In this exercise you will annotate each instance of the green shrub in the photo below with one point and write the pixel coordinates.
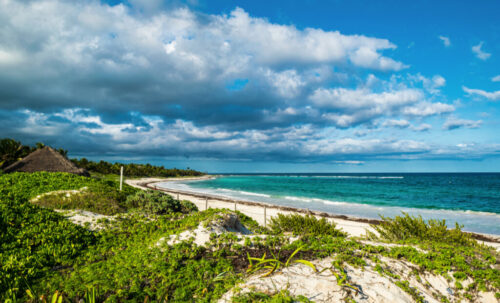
(415, 229)
(158, 203)
(188, 207)
(304, 225)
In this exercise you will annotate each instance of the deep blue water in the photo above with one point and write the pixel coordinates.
(472, 199)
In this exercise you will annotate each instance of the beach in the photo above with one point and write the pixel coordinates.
(263, 212)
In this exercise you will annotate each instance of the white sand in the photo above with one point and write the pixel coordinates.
(84, 218)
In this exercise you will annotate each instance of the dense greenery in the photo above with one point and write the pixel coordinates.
(134, 170)
(129, 259)
(154, 202)
(35, 241)
(304, 225)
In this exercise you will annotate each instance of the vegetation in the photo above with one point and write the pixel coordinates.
(99, 197)
(409, 229)
(304, 225)
(274, 264)
(282, 296)
(154, 202)
(134, 170)
(43, 255)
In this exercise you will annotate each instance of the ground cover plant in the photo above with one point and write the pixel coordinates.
(44, 253)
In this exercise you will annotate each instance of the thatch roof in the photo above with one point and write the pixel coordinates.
(45, 159)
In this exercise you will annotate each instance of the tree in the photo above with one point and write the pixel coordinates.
(12, 151)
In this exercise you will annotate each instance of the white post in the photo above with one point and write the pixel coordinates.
(234, 205)
(121, 177)
(206, 203)
(265, 216)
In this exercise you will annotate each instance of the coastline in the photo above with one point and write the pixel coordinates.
(262, 212)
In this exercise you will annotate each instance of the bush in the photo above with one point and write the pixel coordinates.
(415, 229)
(304, 225)
(188, 207)
(158, 203)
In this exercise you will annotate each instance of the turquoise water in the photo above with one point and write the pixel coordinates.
(470, 199)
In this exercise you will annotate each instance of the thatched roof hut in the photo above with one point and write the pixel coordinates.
(45, 159)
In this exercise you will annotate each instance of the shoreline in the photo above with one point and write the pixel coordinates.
(262, 212)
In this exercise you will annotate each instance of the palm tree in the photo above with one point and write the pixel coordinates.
(12, 151)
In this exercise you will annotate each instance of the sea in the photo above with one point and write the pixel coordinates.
(471, 199)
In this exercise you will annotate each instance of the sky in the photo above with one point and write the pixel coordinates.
(256, 86)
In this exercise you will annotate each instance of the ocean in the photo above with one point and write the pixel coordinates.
(471, 199)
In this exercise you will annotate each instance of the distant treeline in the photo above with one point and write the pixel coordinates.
(12, 151)
(134, 170)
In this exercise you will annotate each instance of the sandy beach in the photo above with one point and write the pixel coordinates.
(262, 212)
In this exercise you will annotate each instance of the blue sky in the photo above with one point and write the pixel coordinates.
(253, 86)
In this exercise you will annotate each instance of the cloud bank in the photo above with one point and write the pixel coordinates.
(120, 79)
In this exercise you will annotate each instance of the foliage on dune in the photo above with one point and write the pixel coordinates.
(42, 252)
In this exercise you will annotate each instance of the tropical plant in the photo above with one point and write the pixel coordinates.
(409, 228)
(304, 225)
(274, 263)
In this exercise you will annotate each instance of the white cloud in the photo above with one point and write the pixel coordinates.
(287, 83)
(425, 108)
(493, 96)
(454, 123)
(10, 57)
(480, 54)
(446, 40)
(396, 123)
(422, 127)
(496, 79)
(348, 107)
(432, 85)
(370, 58)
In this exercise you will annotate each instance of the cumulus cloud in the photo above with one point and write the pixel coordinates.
(432, 85)
(396, 123)
(348, 107)
(493, 96)
(171, 62)
(166, 80)
(446, 41)
(454, 123)
(422, 127)
(496, 79)
(480, 54)
(425, 108)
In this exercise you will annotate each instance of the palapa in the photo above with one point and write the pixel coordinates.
(45, 159)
